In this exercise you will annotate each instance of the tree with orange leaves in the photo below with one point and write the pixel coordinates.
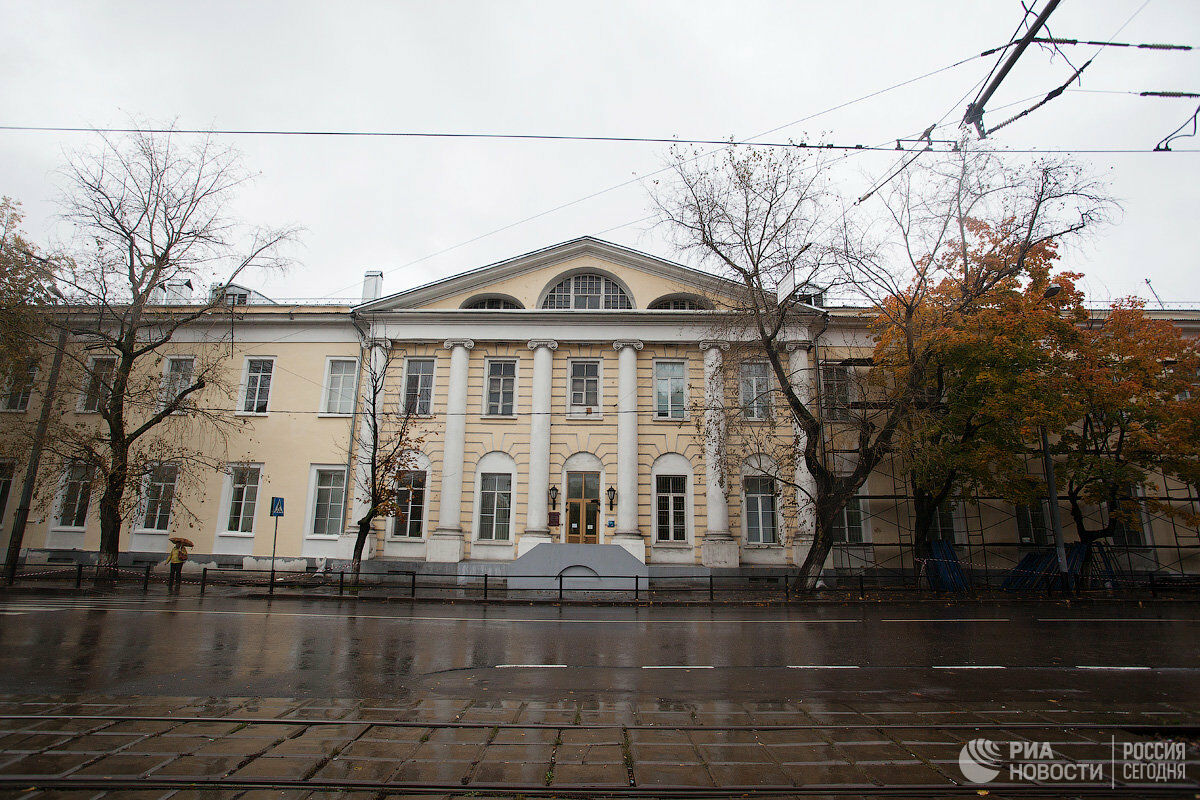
(1127, 388)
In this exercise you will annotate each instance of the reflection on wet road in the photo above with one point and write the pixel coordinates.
(291, 648)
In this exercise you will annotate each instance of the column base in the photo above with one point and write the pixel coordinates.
(719, 550)
(531, 539)
(445, 545)
(631, 541)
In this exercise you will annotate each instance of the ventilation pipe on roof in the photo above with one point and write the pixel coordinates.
(372, 285)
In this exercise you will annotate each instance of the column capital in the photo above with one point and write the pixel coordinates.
(450, 344)
(621, 344)
(708, 344)
(800, 344)
(534, 344)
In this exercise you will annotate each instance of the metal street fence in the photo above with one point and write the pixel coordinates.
(854, 577)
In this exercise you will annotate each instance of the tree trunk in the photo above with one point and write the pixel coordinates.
(923, 512)
(110, 520)
(360, 542)
(810, 570)
(110, 534)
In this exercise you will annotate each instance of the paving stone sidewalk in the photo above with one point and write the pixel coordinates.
(649, 745)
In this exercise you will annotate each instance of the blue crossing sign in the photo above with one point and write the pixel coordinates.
(276, 506)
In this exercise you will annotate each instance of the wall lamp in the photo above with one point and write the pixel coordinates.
(554, 497)
(612, 497)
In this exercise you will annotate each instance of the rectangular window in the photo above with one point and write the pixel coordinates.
(339, 391)
(669, 390)
(77, 492)
(6, 479)
(755, 390)
(258, 385)
(418, 386)
(1032, 526)
(1129, 532)
(670, 492)
(178, 377)
(160, 492)
(99, 384)
(243, 496)
(585, 387)
(20, 387)
(327, 506)
(848, 524)
(945, 523)
(835, 388)
(495, 505)
(761, 520)
(501, 386)
(410, 504)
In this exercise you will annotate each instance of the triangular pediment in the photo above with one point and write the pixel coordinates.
(525, 278)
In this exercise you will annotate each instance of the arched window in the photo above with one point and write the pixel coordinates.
(492, 303)
(587, 291)
(680, 302)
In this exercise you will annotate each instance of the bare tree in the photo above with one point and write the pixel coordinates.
(387, 441)
(149, 216)
(770, 221)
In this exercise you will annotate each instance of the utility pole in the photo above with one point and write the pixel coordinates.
(35, 456)
(974, 115)
(1052, 501)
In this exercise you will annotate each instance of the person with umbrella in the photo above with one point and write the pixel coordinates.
(179, 554)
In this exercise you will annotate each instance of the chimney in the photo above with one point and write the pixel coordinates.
(372, 285)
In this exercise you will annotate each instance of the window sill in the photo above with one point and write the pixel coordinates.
(405, 539)
(67, 529)
(14, 410)
(577, 416)
(250, 413)
(150, 532)
(498, 416)
(672, 545)
(657, 418)
(333, 415)
(414, 415)
(322, 537)
(492, 542)
(762, 545)
(236, 534)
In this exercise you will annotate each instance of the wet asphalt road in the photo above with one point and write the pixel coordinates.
(228, 647)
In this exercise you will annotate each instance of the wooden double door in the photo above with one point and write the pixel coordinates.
(583, 507)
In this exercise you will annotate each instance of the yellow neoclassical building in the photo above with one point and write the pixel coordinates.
(582, 394)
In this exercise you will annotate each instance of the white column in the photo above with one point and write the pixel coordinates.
(802, 379)
(446, 542)
(537, 530)
(627, 534)
(719, 548)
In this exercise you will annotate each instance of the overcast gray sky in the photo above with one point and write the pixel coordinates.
(688, 69)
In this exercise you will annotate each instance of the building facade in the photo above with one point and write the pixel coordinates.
(584, 393)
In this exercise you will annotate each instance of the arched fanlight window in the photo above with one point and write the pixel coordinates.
(587, 291)
(492, 303)
(681, 302)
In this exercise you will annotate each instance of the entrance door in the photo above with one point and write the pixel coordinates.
(583, 507)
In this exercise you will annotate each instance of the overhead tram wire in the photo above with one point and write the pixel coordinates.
(661, 170)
